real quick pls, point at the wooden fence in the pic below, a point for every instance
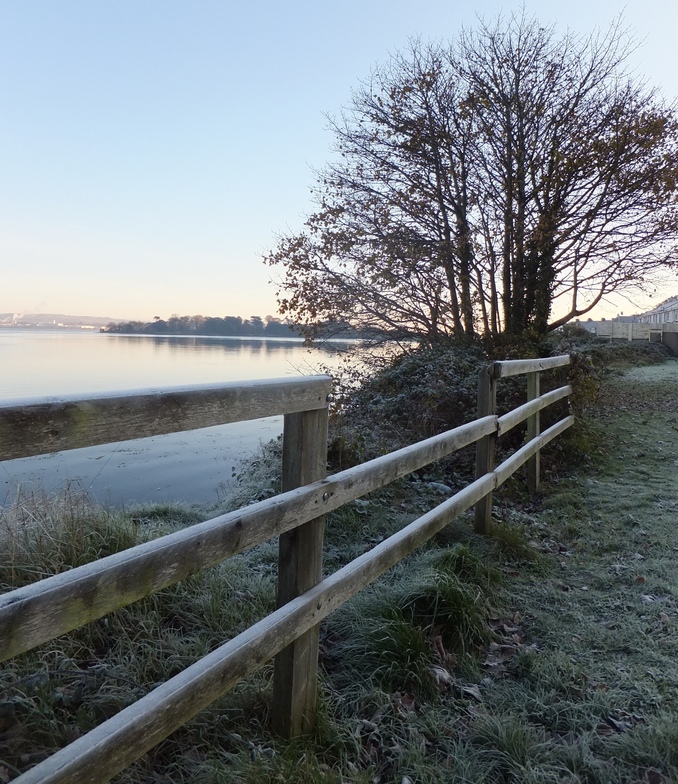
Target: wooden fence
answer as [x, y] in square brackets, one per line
[39, 612]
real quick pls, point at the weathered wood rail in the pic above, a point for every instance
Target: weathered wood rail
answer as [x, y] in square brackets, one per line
[40, 612]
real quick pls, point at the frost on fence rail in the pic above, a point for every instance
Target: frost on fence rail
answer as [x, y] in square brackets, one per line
[40, 426]
[487, 406]
[517, 367]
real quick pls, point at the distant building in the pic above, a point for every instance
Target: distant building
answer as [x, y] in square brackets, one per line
[665, 313]
[622, 319]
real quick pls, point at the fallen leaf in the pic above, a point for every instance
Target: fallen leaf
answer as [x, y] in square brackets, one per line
[619, 726]
[654, 776]
[443, 679]
[446, 657]
[408, 702]
[472, 691]
[365, 728]
[499, 654]
[603, 730]
[499, 625]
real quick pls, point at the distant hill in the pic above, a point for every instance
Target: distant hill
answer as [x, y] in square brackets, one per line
[53, 320]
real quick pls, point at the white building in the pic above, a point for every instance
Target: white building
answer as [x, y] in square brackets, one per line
[665, 313]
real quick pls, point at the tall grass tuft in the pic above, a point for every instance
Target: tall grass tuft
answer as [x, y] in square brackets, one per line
[43, 534]
[51, 695]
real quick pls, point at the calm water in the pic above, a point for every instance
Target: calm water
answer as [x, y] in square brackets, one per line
[62, 362]
[191, 467]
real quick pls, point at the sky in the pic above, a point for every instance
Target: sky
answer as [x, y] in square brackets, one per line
[152, 151]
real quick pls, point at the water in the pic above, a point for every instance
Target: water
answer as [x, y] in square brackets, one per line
[193, 467]
[65, 362]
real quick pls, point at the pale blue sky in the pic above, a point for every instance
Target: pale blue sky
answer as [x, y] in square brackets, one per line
[150, 150]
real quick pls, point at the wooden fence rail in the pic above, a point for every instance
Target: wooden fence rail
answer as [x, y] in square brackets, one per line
[39, 612]
[38, 427]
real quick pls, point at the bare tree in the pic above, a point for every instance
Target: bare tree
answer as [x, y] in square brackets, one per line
[478, 185]
[576, 164]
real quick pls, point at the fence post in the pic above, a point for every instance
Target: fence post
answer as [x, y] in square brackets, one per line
[487, 404]
[295, 673]
[533, 430]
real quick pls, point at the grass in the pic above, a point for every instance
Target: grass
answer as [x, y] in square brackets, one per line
[547, 652]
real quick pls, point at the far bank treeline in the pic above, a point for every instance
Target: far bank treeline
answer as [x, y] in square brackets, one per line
[227, 326]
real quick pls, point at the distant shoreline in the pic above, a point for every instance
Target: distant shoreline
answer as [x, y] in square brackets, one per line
[57, 327]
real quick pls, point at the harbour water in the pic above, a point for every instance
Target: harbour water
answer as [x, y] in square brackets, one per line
[192, 467]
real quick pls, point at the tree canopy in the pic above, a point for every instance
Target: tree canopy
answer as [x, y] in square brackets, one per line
[505, 182]
[208, 325]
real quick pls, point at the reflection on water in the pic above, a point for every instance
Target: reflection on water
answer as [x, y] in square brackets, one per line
[60, 362]
[229, 344]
